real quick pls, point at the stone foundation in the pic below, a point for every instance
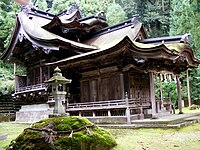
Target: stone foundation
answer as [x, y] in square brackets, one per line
[33, 113]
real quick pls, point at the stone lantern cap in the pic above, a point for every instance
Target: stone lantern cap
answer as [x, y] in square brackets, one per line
[58, 78]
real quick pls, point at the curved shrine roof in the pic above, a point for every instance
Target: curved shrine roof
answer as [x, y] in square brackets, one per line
[55, 32]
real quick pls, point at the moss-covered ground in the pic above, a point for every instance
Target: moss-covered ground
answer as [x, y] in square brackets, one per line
[187, 138]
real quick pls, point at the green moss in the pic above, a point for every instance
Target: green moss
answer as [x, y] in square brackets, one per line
[100, 139]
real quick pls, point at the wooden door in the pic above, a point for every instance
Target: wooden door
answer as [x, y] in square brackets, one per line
[138, 86]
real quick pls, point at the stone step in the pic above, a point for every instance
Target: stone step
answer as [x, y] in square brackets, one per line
[3, 137]
[159, 123]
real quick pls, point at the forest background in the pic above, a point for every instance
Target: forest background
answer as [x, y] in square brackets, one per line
[160, 18]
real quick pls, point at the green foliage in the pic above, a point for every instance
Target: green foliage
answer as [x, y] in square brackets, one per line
[115, 14]
[42, 5]
[6, 78]
[129, 7]
[195, 84]
[169, 90]
[8, 11]
[156, 17]
[185, 16]
[81, 140]
[154, 14]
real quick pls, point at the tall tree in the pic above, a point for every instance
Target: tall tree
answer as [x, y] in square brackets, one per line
[185, 16]
[8, 10]
[154, 14]
[156, 17]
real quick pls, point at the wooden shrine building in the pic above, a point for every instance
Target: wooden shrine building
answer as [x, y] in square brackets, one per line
[112, 68]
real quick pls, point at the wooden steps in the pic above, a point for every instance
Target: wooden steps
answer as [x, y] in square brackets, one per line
[6, 104]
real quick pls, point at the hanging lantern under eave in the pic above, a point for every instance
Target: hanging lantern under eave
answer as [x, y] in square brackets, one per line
[23, 2]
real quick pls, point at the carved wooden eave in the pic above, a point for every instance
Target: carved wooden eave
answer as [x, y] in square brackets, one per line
[28, 28]
[79, 28]
[154, 57]
[73, 13]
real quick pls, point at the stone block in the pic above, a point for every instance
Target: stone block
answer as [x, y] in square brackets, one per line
[33, 113]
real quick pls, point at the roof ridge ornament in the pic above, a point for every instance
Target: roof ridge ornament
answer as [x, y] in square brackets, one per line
[72, 8]
[101, 15]
[185, 38]
[134, 19]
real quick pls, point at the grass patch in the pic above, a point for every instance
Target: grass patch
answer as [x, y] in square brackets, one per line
[12, 130]
[133, 139]
[186, 110]
[158, 139]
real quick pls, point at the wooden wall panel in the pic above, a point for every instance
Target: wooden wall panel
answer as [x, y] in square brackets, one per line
[30, 76]
[102, 87]
[93, 90]
[85, 91]
[139, 86]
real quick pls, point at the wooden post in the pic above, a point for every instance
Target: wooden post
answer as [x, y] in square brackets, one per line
[188, 88]
[161, 94]
[109, 113]
[179, 95]
[40, 74]
[14, 68]
[152, 95]
[141, 113]
[93, 114]
[122, 84]
[99, 88]
[128, 113]
[80, 114]
[34, 76]
[48, 72]
[14, 72]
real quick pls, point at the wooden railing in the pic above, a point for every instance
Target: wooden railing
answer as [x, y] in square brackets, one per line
[30, 88]
[123, 103]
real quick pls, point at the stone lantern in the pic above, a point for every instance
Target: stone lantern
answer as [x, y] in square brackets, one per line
[58, 90]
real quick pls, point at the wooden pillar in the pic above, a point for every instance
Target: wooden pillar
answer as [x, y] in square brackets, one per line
[40, 74]
[99, 88]
[126, 83]
[14, 68]
[48, 72]
[122, 85]
[179, 94]
[34, 77]
[128, 113]
[161, 94]
[93, 114]
[14, 72]
[188, 88]
[152, 95]
[80, 114]
[109, 113]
